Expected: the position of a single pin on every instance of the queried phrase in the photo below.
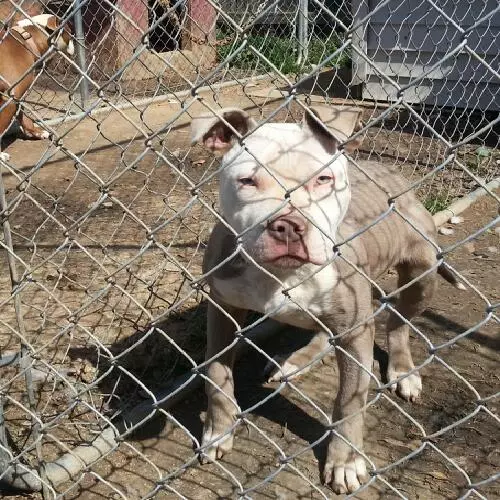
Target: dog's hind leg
(222, 408)
(304, 359)
(412, 301)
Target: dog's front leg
(222, 408)
(7, 114)
(30, 130)
(345, 469)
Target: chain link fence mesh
(103, 303)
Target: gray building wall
(407, 39)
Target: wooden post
(128, 37)
(201, 32)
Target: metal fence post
(302, 31)
(81, 53)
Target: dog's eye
(247, 181)
(325, 179)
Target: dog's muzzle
(288, 229)
(70, 49)
(284, 243)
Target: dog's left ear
(333, 125)
(315, 125)
(217, 132)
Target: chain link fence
(105, 224)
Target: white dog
(288, 198)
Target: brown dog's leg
(345, 469)
(412, 301)
(301, 358)
(7, 116)
(222, 407)
(30, 130)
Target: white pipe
(156, 99)
(464, 203)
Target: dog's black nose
(288, 228)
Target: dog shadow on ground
(152, 359)
(13, 134)
(155, 362)
(250, 389)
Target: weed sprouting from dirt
(436, 203)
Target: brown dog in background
(21, 46)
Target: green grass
(282, 52)
(435, 204)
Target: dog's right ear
(218, 133)
(52, 23)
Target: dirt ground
(110, 243)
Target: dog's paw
(409, 387)
(345, 477)
(274, 374)
(215, 444)
(218, 432)
(35, 134)
(4, 156)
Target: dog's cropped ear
(217, 133)
(333, 125)
(47, 21)
(315, 125)
(355, 143)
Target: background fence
(105, 224)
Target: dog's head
(62, 38)
(283, 188)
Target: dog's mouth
(272, 253)
(287, 261)
(290, 256)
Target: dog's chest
(303, 296)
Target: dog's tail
(450, 277)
